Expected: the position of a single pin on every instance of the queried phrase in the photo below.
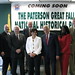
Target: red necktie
(47, 39)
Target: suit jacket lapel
(15, 37)
(49, 39)
(20, 36)
(45, 39)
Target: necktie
(17, 36)
(47, 39)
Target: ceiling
(7, 1)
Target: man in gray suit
(17, 52)
(72, 60)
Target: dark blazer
(26, 32)
(5, 44)
(17, 44)
(52, 49)
(0, 44)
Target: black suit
(17, 44)
(0, 44)
(50, 51)
(5, 39)
(26, 32)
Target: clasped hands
(32, 54)
(18, 51)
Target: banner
(53, 14)
(9, 23)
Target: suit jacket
(72, 32)
(65, 43)
(5, 44)
(17, 44)
(52, 49)
(26, 32)
(34, 46)
(0, 44)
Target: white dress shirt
(48, 35)
(34, 45)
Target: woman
(33, 48)
(64, 41)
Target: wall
(4, 11)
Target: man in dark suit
(27, 33)
(6, 50)
(50, 50)
(17, 52)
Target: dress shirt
(48, 35)
(17, 35)
(8, 33)
(34, 45)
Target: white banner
(54, 14)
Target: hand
(32, 54)
(57, 57)
(2, 53)
(18, 51)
